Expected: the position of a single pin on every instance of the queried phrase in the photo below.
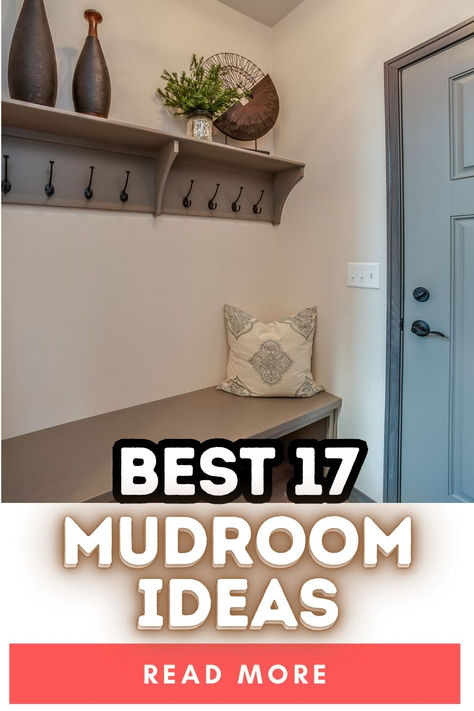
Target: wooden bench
(73, 462)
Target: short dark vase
(91, 89)
(32, 70)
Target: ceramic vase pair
(32, 70)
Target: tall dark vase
(32, 71)
(91, 89)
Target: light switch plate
(365, 275)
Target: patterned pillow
(270, 359)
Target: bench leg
(332, 424)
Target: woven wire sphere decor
(252, 119)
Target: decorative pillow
(270, 359)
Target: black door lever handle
(421, 328)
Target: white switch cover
(363, 274)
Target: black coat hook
(212, 204)
(256, 209)
(88, 192)
(235, 204)
(49, 187)
(186, 201)
(124, 194)
(6, 185)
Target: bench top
(73, 462)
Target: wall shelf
(161, 166)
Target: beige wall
(104, 311)
(328, 65)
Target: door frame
(393, 136)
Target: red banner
(234, 673)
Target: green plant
(201, 89)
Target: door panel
(437, 459)
(462, 372)
(462, 141)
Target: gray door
(437, 428)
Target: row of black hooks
(49, 188)
(235, 205)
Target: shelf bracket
(284, 183)
(164, 159)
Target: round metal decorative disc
(249, 119)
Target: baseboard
(358, 497)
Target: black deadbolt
(421, 293)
